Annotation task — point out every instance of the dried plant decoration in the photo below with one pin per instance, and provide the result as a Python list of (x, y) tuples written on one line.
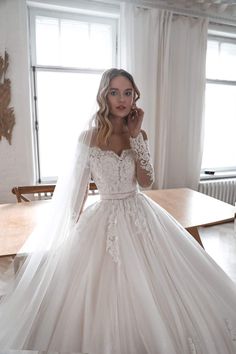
[(7, 117)]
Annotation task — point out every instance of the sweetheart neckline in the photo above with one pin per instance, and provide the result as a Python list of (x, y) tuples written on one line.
[(111, 151)]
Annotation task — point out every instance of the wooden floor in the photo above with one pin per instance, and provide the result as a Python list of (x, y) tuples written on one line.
[(220, 243)]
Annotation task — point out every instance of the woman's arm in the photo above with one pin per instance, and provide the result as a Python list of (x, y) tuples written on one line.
[(144, 168)]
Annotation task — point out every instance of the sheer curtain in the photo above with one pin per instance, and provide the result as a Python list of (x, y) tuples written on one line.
[(186, 91), (143, 32), (166, 54)]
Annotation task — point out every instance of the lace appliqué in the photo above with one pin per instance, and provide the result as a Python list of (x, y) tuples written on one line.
[(112, 245), (113, 173), (140, 146), (141, 225), (231, 330), (192, 346)]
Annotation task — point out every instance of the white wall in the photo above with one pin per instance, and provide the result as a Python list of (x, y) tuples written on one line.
[(16, 160)]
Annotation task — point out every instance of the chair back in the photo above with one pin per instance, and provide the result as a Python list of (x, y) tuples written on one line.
[(92, 188), (41, 192), (31, 193)]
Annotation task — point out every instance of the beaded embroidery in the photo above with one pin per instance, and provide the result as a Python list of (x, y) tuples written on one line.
[(112, 245), (192, 346)]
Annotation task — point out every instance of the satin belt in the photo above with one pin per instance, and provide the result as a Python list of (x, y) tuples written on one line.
[(115, 196)]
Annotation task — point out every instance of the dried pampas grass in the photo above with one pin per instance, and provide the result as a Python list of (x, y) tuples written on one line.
[(7, 117)]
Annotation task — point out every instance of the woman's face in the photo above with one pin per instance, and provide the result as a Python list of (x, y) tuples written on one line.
[(120, 97)]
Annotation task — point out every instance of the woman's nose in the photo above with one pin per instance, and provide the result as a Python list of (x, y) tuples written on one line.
[(121, 97)]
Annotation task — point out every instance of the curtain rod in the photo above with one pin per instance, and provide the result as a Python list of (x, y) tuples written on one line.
[(213, 19)]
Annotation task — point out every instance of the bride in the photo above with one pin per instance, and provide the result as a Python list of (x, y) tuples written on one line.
[(121, 276)]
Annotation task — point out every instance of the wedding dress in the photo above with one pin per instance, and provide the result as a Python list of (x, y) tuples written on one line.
[(133, 282)]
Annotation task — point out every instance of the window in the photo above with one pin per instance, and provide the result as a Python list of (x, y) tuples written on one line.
[(219, 153), (69, 52)]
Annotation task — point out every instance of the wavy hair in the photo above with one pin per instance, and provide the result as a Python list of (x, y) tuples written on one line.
[(102, 122)]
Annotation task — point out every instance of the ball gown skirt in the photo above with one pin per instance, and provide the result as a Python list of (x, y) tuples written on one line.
[(130, 281), (144, 286)]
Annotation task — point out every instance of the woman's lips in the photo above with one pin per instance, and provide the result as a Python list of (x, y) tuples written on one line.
[(121, 107)]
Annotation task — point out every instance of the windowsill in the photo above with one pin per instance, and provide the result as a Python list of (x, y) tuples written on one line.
[(218, 175)]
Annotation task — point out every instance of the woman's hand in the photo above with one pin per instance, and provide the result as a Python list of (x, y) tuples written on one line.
[(135, 119)]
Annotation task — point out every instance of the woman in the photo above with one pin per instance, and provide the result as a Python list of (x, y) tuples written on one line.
[(123, 277)]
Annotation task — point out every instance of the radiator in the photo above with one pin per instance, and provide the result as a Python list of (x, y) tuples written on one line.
[(222, 189)]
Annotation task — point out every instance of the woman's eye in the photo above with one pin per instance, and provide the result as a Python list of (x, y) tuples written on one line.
[(113, 93), (128, 93)]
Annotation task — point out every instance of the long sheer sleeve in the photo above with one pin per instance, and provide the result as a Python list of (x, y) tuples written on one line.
[(145, 172)]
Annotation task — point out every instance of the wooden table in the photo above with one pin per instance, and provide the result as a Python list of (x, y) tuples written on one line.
[(192, 209), (17, 221)]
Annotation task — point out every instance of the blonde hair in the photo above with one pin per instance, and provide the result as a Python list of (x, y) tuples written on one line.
[(102, 122)]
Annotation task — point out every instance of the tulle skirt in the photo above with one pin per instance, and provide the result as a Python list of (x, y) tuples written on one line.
[(130, 280)]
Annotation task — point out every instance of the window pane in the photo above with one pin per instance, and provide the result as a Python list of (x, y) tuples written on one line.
[(212, 60), (65, 102), (47, 41), (220, 127), (73, 43), (228, 61), (221, 60), (101, 45), (67, 98)]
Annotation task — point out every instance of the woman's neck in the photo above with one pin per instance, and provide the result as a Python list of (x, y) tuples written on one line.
[(118, 125)]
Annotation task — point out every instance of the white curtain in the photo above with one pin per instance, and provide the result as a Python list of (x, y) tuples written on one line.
[(181, 163), (142, 32), (166, 55)]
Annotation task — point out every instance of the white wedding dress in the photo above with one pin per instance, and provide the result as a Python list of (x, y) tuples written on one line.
[(134, 282)]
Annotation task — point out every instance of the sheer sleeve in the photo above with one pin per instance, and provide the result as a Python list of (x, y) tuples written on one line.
[(145, 172)]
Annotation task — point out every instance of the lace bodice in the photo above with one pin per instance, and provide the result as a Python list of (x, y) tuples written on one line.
[(113, 174)]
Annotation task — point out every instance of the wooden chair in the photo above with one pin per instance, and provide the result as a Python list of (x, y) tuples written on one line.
[(36, 192), (92, 188), (41, 192)]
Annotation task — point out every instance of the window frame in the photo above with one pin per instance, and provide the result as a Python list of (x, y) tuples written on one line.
[(109, 18), (217, 172)]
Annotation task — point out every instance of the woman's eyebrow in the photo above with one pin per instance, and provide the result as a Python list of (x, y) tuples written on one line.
[(128, 89)]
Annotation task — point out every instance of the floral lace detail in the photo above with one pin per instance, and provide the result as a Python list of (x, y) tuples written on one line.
[(141, 224), (113, 173), (231, 330), (112, 245), (140, 146), (135, 210)]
